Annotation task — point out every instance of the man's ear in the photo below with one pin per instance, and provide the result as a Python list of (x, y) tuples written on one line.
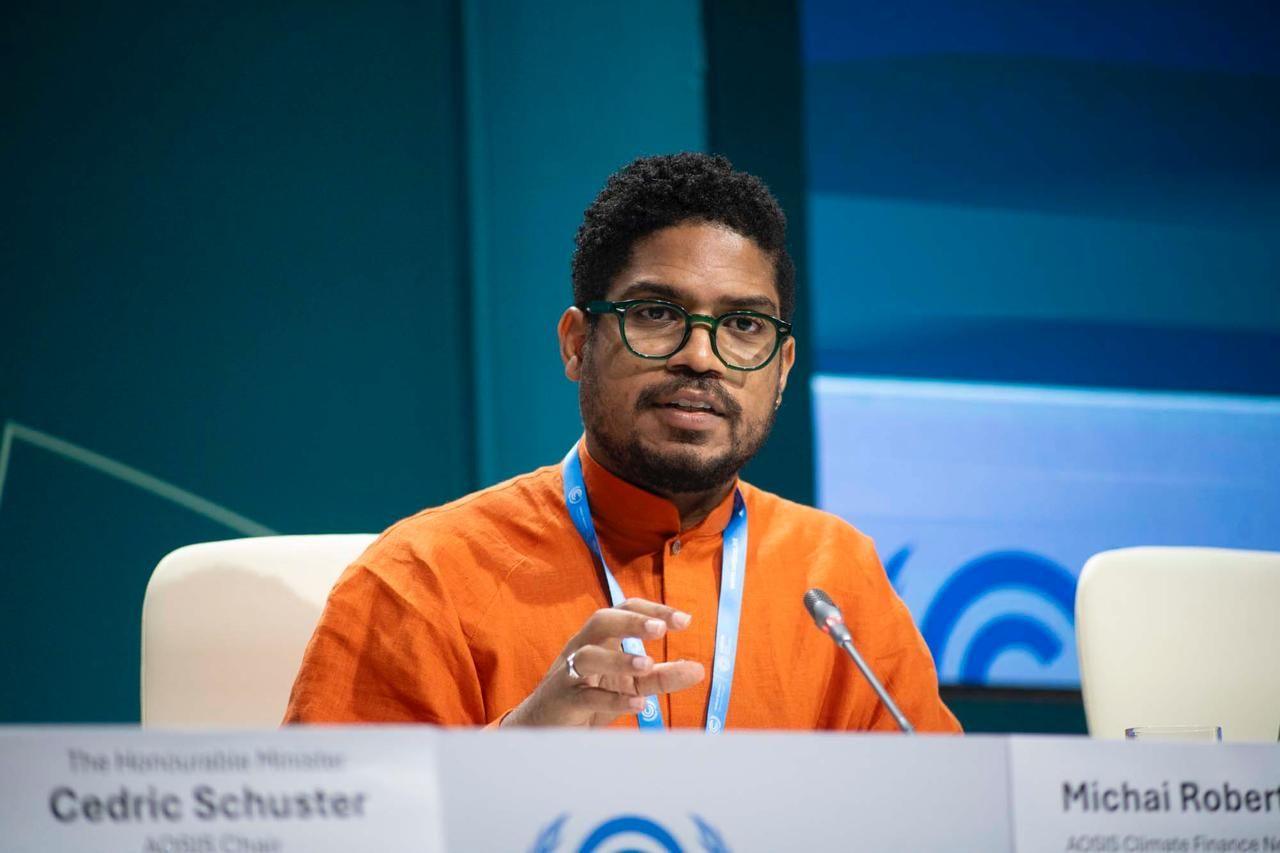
[(572, 331), (788, 356)]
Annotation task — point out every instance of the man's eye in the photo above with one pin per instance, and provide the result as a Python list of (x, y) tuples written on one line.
[(746, 325), (656, 313)]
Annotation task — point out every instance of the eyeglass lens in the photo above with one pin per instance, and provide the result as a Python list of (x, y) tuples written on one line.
[(657, 330)]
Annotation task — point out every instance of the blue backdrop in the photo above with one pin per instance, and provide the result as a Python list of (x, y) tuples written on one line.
[(1068, 197)]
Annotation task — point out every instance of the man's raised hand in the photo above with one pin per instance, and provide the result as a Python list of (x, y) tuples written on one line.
[(605, 682)]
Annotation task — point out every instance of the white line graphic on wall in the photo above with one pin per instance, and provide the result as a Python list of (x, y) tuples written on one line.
[(210, 510)]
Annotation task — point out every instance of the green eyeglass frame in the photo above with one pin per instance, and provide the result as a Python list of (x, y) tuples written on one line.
[(619, 309)]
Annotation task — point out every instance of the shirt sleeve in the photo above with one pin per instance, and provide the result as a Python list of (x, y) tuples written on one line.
[(389, 647)]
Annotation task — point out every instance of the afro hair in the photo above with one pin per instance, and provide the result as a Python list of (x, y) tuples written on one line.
[(652, 193)]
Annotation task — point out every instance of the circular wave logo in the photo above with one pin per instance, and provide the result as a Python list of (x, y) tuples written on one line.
[(1020, 571), (629, 834)]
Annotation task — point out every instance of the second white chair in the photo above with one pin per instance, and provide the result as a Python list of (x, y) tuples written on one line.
[(1181, 637)]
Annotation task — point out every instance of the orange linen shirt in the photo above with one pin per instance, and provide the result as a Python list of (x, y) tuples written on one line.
[(455, 614)]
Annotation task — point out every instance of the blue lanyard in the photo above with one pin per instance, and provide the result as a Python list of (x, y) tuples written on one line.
[(733, 567)]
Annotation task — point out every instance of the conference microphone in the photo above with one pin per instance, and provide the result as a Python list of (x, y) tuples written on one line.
[(831, 621)]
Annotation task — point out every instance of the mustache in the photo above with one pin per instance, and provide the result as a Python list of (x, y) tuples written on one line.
[(726, 404)]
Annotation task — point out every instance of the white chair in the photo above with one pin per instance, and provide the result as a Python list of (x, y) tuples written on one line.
[(224, 626), (1181, 636)]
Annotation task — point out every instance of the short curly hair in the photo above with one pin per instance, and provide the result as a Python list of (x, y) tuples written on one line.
[(652, 193)]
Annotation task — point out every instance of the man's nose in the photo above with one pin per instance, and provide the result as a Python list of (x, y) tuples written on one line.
[(697, 355)]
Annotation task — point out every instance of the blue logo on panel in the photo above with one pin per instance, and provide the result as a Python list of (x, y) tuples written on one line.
[(623, 833), (999, 571)]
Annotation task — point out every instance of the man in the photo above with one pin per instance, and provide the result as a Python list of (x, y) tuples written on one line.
[(639, 582)]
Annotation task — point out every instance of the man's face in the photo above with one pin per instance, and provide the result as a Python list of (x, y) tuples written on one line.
[(631, 406)]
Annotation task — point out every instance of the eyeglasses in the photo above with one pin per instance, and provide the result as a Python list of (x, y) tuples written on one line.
[(654, 328)]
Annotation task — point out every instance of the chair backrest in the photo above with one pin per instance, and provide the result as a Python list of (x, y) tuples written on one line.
[(224, 626), (1181, 636)]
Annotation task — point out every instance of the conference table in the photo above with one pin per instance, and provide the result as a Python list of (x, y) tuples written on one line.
[(425, 789)]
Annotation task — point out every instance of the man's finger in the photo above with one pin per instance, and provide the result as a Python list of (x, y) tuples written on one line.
[(597, 660), (613, 623), (606, 701), (674, 618), (671, 677)]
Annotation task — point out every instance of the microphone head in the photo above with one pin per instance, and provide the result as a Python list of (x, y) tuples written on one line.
[(826, 615), (812, 599)]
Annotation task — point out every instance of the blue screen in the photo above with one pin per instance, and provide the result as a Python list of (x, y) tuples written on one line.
[(1044, 251)]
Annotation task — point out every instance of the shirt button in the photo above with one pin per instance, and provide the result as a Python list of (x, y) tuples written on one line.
[(675, 547)]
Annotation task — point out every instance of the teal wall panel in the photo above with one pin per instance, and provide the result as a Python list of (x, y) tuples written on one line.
[(555, 106), (226, 238)]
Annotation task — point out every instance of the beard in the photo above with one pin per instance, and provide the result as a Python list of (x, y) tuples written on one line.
[(677, 471)]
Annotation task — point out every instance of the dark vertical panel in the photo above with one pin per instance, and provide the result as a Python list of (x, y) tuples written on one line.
[(231, 257), (755, 118)]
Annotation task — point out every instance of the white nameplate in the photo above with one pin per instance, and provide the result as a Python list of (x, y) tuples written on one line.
[(569, 791), (1074, 794), (120, 789)]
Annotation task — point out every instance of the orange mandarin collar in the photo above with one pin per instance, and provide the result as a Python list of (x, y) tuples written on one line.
[(622, 508)]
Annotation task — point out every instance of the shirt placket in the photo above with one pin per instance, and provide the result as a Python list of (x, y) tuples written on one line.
[(690, 571)]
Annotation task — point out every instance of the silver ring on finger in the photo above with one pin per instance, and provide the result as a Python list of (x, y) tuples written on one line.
[(573, 670)]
